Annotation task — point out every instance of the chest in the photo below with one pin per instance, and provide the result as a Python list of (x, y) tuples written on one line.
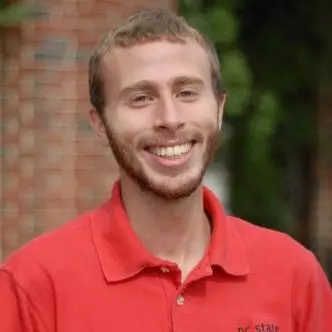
[(158, 304)]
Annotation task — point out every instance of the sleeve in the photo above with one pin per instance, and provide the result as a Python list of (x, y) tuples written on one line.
[(314, 303), (17, 312)]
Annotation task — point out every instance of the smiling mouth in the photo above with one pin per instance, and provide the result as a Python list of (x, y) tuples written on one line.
[(171, 151)]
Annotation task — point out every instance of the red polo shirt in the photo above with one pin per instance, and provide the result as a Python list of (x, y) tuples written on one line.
[(93, 275)]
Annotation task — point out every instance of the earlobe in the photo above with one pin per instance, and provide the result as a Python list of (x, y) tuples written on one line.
[(220, 115), (95, 122), (98, 126), (221, 109)]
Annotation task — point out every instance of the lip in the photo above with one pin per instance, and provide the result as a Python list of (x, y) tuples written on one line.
[(168, 144), (170, 163)]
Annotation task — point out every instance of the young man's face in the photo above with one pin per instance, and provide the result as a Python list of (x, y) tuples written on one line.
[(162, 115)]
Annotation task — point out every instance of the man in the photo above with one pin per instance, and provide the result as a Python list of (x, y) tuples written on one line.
[(161, 254)]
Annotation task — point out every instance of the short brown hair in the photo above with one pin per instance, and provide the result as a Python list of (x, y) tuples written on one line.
[(146, 26)]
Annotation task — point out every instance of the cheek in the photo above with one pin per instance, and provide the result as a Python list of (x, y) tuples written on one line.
[(205, 112), (126, 126), (207, 123)]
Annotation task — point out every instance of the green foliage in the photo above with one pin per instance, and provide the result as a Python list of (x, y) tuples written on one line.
[(14, 13), (238, 81), (261, 127), (269, 68), (219, 24)]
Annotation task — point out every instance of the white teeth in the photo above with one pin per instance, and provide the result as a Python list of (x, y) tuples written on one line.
[(169, 151), (177, 150), (172, 151)]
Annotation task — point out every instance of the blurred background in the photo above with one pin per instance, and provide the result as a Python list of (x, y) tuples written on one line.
[(274, 165)]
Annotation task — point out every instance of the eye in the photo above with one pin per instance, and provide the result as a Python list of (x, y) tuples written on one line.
[(187, 94), (140, 100)]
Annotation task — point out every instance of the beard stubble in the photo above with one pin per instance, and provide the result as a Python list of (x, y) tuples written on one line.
[(129, 163)]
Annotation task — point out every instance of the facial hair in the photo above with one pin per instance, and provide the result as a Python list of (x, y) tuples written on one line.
[(129, 163)]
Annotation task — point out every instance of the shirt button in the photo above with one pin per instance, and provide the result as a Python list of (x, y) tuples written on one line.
[(164, 269), (180, 300)]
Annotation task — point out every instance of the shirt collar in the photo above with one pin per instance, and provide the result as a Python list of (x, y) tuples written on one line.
[(122, 255), (227, 249)]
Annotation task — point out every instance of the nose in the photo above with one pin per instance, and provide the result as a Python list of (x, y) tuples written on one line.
[(168, 115)]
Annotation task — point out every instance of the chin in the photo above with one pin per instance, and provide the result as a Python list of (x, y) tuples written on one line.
[(173, 188)]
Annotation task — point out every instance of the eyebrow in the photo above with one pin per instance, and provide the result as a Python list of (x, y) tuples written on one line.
[(141, 85), (188, 80), (146, 85)]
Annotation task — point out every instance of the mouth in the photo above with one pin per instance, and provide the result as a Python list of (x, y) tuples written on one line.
[(172, 151)]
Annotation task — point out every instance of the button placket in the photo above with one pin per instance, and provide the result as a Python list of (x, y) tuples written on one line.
[(180, 300), (164, 269)]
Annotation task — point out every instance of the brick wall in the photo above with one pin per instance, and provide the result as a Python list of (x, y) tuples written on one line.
[(52, 167)]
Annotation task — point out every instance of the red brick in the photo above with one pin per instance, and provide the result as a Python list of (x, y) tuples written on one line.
[(47, 135)]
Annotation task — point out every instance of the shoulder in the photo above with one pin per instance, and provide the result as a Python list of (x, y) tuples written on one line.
[(50, 251), (274, 249), (279, 262), (32, 274)]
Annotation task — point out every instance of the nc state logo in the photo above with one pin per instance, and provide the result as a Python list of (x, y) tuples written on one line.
[(259, 328)]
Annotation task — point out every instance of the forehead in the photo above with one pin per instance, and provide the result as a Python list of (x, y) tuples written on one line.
[(159, 62)]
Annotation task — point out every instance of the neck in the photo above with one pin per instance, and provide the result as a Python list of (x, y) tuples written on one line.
[(177, 231)]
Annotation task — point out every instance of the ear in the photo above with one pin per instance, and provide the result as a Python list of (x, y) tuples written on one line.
[(98, 126), (222, 101)]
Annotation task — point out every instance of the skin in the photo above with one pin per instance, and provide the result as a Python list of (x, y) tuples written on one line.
[(160, 94)]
